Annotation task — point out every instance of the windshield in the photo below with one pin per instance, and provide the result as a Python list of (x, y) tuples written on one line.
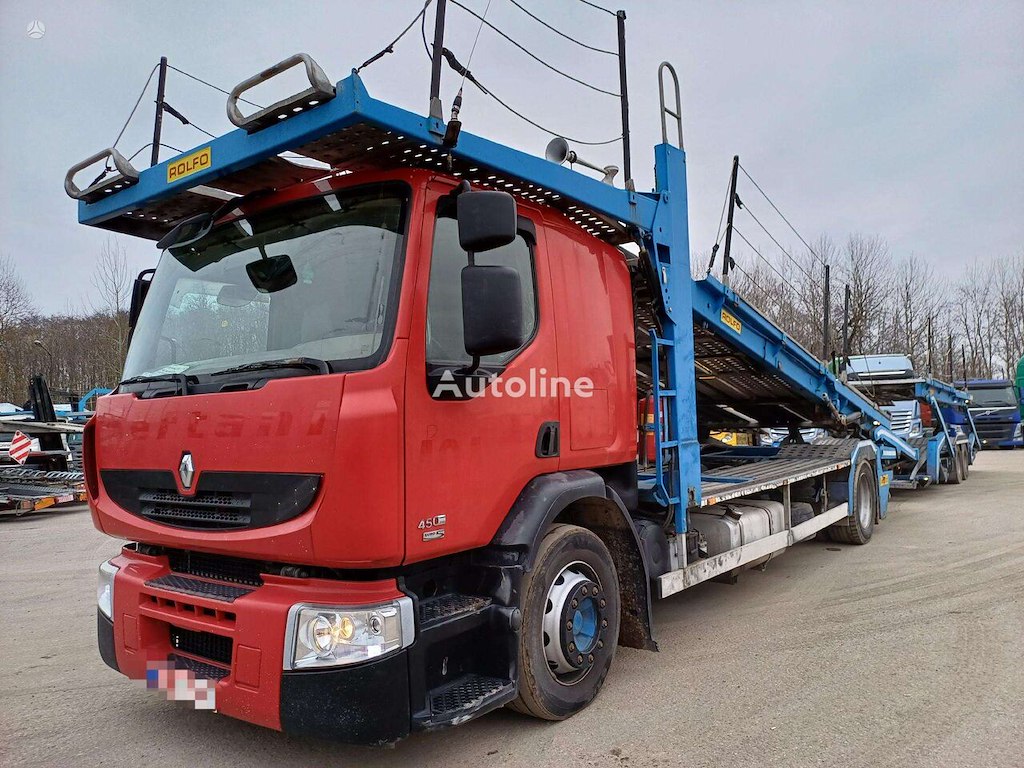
[(206, 312), (1004, 397)]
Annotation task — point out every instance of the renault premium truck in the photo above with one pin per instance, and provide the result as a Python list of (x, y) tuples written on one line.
[(376, 448)]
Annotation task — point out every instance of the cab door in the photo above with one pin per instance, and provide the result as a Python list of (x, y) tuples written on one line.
[(467, 458)]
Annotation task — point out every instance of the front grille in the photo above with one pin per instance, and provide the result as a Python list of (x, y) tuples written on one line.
[(900, 420), (204, 510), (233, 569), (205, 645), (226, 501), (995, 431)]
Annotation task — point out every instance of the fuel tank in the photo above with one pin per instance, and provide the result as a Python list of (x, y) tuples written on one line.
[(732, 524)]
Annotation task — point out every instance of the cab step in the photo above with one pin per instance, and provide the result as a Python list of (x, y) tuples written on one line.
[(442, 608), (466, 697)]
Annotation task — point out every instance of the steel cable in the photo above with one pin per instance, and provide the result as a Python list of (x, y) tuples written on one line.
[(598, 7), (561, 33), (771, 266), (763, 194), (137, 102), (211, 85), (390, 48), (534, 56), (777, 243), (517, 113)]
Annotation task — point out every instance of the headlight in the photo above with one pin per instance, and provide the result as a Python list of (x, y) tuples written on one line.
[(1017, 431), (105, 589), (329, 636)]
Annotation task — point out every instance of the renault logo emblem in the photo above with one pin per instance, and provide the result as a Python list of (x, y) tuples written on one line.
[(186, 470)]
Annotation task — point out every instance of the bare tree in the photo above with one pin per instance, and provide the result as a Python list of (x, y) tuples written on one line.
[(111, 278), (15, 304), (112, 283), (1008, 317), (15, 309), (865, 269)]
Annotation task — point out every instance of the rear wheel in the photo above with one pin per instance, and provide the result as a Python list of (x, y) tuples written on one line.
[(570, 624), (965, 461), (858, 527), (955, 476)]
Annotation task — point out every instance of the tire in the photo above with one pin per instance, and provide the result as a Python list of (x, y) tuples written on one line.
[(553, 683), (956, 467), (966, 459), (858, 528)]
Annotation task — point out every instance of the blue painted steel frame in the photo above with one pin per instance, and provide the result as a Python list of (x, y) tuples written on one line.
[(352, 105), (945, 394), (668, 243), (760, 338)]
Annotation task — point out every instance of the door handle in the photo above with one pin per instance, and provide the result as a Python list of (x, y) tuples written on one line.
[(548, 442)]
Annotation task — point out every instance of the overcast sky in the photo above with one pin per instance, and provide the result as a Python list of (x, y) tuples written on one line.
[(901, 119)]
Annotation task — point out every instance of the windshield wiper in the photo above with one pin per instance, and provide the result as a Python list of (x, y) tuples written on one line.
[(179, 378), (308, 363)]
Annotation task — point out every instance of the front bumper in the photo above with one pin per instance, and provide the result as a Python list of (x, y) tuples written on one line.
[(366, 703), (999, 434)]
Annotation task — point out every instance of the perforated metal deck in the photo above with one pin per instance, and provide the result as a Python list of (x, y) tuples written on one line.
[(355, 148), (226, 593), (728, 381), (729, 475)]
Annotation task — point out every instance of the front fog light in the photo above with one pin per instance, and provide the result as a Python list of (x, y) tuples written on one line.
[(105, 589), (323, 636)]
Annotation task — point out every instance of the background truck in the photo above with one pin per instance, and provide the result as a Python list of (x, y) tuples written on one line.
[(340, 513), (995, 408), (930, 415)]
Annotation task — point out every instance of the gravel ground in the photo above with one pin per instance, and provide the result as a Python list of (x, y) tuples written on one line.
[(906, 652)]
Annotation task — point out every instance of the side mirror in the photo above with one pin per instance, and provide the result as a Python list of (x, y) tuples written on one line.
[(272, 274), (487, 220), (492, 310), (140, 289)]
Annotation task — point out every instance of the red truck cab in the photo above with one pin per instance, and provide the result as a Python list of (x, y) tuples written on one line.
[(336, 506)]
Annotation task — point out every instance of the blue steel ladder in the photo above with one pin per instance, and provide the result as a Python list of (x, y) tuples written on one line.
[(663, 486)]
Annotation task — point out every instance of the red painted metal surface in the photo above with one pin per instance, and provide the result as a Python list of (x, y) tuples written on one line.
[(390, 455), (255, 622)]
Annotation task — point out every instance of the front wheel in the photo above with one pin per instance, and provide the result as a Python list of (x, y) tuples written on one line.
[(858, 527), (570, 624)]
